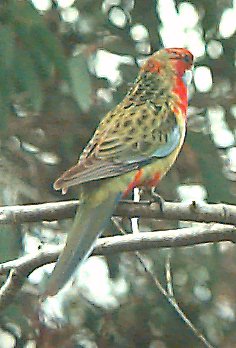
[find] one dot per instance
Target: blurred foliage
(52, 96)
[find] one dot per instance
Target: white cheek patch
(187, 77)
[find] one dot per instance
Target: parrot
(134, 145)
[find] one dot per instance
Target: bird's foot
(156, 198)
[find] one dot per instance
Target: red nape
(135, 183)
(180, 89)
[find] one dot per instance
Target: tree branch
(23, 266)
(220, 213)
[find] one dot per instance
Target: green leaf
(35, 36)
(27, 78)
(42, 63)
(51, 47)
(23, 12)
(6, 63)
(7, 44)
(4, 112)
(39, 54)
(121, 46)
(80, 81)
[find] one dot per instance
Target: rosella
(134, 145)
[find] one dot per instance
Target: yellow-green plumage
(143, 134)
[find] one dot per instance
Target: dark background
(52, 96)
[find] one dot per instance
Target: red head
(181, 58)
(177, 59)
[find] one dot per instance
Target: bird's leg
(157, 198)
(135, 221)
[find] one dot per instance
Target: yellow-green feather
(98, 202)
(138, 127)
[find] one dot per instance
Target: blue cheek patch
(187, 77)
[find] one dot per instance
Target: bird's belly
(155, 171)
(151, 174)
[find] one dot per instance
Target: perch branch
(22, 267)
(220, 213)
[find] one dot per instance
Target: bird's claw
(156, 198)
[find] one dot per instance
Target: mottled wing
(127, 139)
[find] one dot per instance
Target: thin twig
(11, 286)
(171, 299)
(173, 303)
(169, 283)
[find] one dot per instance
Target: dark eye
(187, 59)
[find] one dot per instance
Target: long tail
(90, 221)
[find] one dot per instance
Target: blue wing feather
(170, 145)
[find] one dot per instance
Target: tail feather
(89, 223)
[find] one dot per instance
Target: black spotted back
(139, 125)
